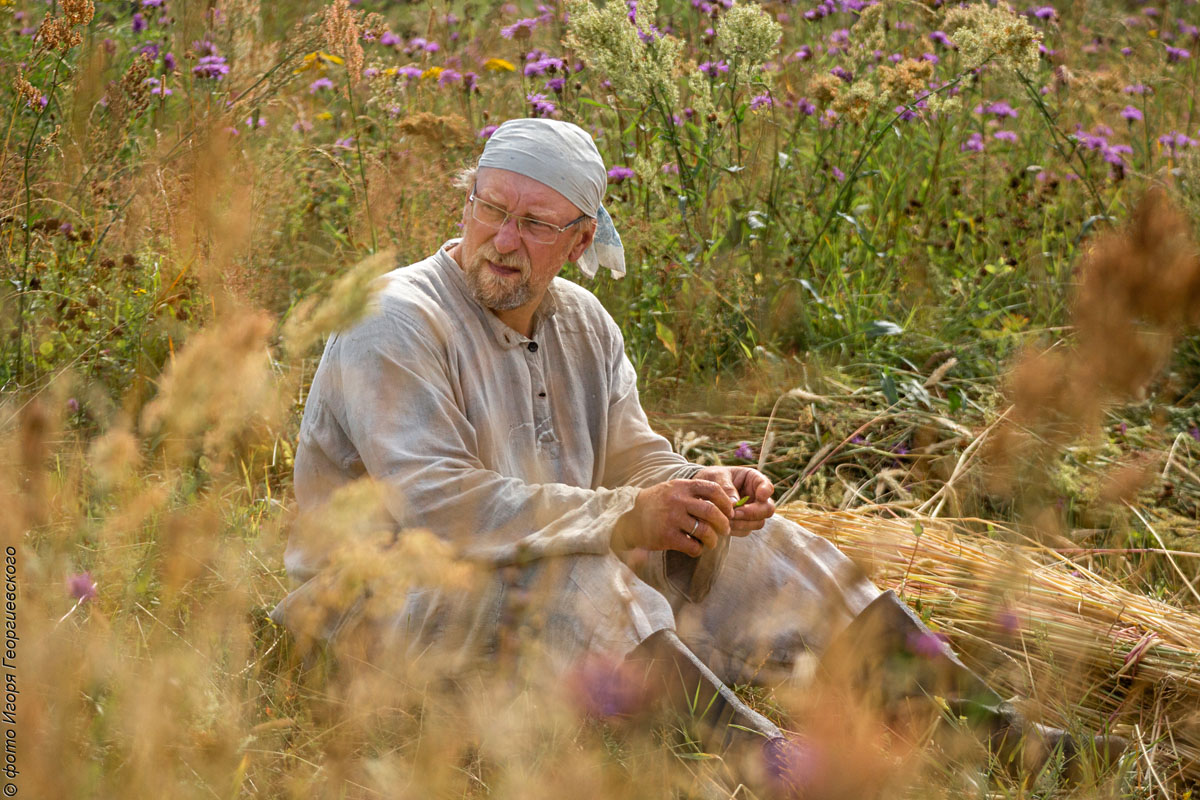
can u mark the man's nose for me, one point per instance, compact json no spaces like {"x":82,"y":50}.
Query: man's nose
{"x":508,"y":237}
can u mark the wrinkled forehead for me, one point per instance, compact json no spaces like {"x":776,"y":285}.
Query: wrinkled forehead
{"x":522,"y":194}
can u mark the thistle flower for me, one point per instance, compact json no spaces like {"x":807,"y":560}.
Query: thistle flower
{"x":81,"y":587}
{"x":999,"y":109}
{"x":619,"y":174}
{"x":521,"y":29}
{"x":542,"y":105}
{"x":713,"y":68}
{"x":763,"y":100}
{"x":973,"y":144}
{"x":1005,"y":136}
{"x":1131,"y":114}
{"x":744,"y":452}
{"x":320,"y":84}
{"x":486,"y":131}
{"x":211,"y":67}
{"x":1177,"y":54}
{"x":1137,"y":88}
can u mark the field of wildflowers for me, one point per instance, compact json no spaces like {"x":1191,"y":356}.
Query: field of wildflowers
{"x":903,"y":255}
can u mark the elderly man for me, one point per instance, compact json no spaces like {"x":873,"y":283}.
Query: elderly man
{"x":495,"y":403}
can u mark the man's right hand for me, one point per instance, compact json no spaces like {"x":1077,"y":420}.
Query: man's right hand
{"x":683,"y":515}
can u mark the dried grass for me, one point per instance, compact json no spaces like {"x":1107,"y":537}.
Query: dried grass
{"x":1092,"y":654}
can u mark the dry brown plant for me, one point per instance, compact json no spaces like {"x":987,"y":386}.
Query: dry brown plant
{"x":341,"y":28}
{"x":1139,"y":289}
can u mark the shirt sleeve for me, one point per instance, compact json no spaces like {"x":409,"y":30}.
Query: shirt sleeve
{"x":635,"y":455}
{"x":404,"y":420}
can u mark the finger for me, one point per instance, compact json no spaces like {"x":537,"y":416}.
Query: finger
{"x":704,"y":532}
{"x":746,"y":527}
{"x":678,"y":539}
{"x":715,"y":494}
{"x":708,"y":514}
{"x":755,"y":511}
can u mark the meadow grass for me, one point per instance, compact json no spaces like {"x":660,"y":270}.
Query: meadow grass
{"x":902,"y":257}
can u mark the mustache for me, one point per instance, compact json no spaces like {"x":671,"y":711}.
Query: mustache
{"x":488,"y":252}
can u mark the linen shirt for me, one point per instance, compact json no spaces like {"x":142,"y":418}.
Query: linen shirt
{"x":511,"y":447}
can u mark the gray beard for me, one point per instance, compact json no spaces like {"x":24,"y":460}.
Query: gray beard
{"x":492,"y":293}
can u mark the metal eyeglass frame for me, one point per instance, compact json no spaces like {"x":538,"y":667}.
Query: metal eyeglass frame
{"x":558,"y":229}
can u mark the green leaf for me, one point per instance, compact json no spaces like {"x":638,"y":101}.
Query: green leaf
{"x":666,"y":336}
{"x":888,"y":384}
{"x":883,"y":327}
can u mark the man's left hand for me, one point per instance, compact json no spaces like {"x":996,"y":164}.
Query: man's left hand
{"x":739,"y":482}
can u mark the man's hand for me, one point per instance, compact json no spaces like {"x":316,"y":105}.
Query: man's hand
{"x":683,"y":515}
{"x":739,"y":482}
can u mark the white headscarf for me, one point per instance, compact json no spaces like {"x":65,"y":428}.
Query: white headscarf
{"x":562,"y":156}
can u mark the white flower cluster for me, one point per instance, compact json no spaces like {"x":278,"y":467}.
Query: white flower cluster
{"x":637,"y":67}
{"x":747,"y":37}
{"x":994,"y":34}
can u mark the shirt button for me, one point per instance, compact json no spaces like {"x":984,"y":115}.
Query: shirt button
{"x":532,"y":347}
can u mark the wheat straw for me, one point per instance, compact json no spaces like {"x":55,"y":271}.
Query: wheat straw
{"x":1109,"y":657}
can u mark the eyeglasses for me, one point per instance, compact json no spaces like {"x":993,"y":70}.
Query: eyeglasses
{"x":535,"y":230}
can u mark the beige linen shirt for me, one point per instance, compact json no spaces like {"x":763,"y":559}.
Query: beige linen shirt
{"x":513,"y":448}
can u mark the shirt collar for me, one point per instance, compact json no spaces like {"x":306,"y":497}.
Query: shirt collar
{"x":505,"y":336}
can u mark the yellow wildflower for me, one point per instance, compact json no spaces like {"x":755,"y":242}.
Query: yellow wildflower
{"x":317,"y":60}
{"x":432,"y":72}
{"x":498,"y":65}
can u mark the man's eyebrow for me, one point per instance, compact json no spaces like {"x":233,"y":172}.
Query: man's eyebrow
{"x":541,"y":213}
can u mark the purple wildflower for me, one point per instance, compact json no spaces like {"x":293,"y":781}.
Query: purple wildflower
{"x":744,"y":452}
{"x":73,"y":405}
{"x":81,"y":587}
{"x":842,"y":73}
{"x":805,"y":107}
{"x":713,"y":68}
{"x":761,"y":101}
{"x":486,"y":131}
{"x":302,"y":126}
{"x":795,"y":766}
{"x":157,"y":88}
{"x":1177,"y":54}
{"x":389,"y":39}
{"x":169,"y":63}
{"x":927,"y":644}
{"x":149,"y":49}
{"x":1137,"y":88}
{"x":1005,"y":136}
{"x":152,"y":3}
{"x":999,"y":109}
{"x":1131,"y":114}
{"x":139,"y":22}
{"x":1043,"y":12}
{"x":542,"y":105}
{"x":905,"y":113}
{"x":974,"y":144}
{"x":542,"y":66}
{"x":839,"y":175}
{"x":345,"y":143}
{"x":211,"y":67}
{"x":556,"y":85}
{"x":1126,"y":51}
{"x":940,"y":37}
{"x":449,"y":76}
{"x":320,"y":84}
{"x":521,"y":29}
{"x":931,"y":58}
{"x":1194,"y":432}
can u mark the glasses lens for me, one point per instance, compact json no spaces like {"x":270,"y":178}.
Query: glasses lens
{"x":541,"y":232}
{"x":487,"y":213}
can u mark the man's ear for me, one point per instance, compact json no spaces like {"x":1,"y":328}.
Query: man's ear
{"x":587,"y":232}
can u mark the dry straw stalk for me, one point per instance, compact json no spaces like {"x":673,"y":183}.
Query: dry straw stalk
{"x":1097,"y":656}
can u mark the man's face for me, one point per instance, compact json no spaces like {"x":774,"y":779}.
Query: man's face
{"x":506,"y":270}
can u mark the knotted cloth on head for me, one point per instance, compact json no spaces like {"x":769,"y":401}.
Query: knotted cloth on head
{"x":562,"y":156}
